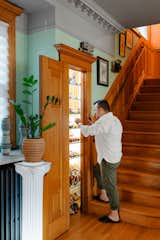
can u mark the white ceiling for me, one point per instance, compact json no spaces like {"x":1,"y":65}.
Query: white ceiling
{"x":30,"y":5}
{"x":129,"y":13}
{"x":132,"y":13}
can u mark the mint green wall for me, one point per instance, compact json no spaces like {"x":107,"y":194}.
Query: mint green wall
{"x":21,"y":61}
{"x":21,"y":66}
{"x":39,"y":43}
{"x":30,"y":47}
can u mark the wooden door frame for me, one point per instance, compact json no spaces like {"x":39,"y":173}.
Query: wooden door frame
{"x":77,"y":60}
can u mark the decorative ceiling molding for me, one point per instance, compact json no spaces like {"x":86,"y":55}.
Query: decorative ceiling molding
{"x":92,"y":10}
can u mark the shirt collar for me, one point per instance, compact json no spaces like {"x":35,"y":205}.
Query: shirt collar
{"x":109,"y":114}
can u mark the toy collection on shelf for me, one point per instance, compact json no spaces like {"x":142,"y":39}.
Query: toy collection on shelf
{"x":74,"y":140}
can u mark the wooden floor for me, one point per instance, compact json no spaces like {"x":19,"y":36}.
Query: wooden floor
{"x":86,"y":227}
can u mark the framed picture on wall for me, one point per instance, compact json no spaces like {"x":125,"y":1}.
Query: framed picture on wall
{"x":102,"y":71}
{"x":129,"y":39}
{"x":122,"y":43}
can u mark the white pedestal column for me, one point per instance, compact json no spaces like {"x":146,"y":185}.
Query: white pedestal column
{"x":32,"y":198}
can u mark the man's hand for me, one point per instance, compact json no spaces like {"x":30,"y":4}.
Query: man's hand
{"x":90,"y":120}
{"x":78,"y":121}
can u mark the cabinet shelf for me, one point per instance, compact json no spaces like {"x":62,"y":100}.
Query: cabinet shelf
{"x":74,"y":128}
{"x":74,"y":84}
{"x":74,"y":156}
{"x":74,"y":142}
{"x":74,"y":98}
{"x":74,"y":113}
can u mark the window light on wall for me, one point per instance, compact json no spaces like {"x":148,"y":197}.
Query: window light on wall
{"x":4,"y":72}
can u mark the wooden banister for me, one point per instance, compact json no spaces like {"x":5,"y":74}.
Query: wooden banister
{"x":142,"y":62}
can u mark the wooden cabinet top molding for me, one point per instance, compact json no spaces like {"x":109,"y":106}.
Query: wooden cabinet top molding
{"x":74,"y":53}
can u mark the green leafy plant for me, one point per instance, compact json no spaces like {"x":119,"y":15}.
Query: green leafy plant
{"x":32,"y":122}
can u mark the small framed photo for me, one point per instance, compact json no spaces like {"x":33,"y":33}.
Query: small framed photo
{"x":122,"y":42}
{"x":129,"y":39}
{"x":102,"y":71}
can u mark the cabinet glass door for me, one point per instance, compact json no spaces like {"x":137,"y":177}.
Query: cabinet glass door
{"x":75,"y":100}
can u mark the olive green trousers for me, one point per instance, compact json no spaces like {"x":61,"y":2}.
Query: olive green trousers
{"x":106,"y":175}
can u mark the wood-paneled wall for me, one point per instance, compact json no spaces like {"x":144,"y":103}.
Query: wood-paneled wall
{"x":154,"y":35}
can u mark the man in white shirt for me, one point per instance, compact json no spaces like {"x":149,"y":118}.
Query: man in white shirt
{"x":107,"y":131}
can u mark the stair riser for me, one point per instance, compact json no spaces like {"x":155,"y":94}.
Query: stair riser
{"x":93,"y":208}
{"x":143,"y":116}
{"x":140,"y":180}
{"x":146,"y":107}
{"x":141,"y":151}
{"x":150,"y":89}
{"x":151,"y":98}
{"x":139,"y":165}
{"x":141,"y":220}
{"x":139,"y":198}
{"x":144,"y":127}
{"x":141,"y":138}
{"x":127,"y":215}
{"x":151,"y":82}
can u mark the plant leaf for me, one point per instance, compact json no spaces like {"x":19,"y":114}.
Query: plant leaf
{"x":26,"y":101}
{"x":30,"y":79}
{"x":27,"y":85}
{"x":47,"y":98}
{"x":50,"y":125}
{"x":19,"y":112}
{"x":52,"y":99}
{"x":27,"y":92}
{"x":56,"y":100}
{"x":34,"y":82}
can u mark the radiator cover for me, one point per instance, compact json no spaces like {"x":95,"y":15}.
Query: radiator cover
{"x":10,"y":203}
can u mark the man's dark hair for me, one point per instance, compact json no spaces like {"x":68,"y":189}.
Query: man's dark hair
{"x":103,"y":104}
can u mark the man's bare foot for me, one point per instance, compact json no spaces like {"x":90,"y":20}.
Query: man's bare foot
{"x":103,"y":196}
{"x":114,"y":215}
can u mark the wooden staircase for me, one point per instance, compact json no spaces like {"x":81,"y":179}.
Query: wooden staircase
{"x":136,"y":102}
{"x":139,"y":173}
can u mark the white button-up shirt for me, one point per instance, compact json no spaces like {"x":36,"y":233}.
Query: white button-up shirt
{"x":108,"y":137}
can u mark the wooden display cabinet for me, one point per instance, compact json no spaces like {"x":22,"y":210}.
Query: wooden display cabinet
{"x":54,"y":77}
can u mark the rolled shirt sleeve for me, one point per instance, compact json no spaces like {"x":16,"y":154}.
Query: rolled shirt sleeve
{"x":100,"y":126}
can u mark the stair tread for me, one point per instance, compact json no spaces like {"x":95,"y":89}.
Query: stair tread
{"x":139,"y":172}
{"x":151,"y":78}
{"x":146,"y":102}
{"x":141,"y":145}
{"x":136,"y":208}
{"x":141,"y":210}
{"x":148,"y":93}
{"x":138,"y":189}
{"x":139,"y":158}
{"x":142,"y":121}
{"x":145,"y":112}
{"x":141,"y":132}
{"x":151,"y":85}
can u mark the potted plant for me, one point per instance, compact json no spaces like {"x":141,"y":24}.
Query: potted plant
{"x":33,"y":145}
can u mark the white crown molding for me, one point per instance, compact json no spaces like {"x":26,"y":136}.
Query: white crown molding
{"x":96,"y":14}
{"x":103,"y":14}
